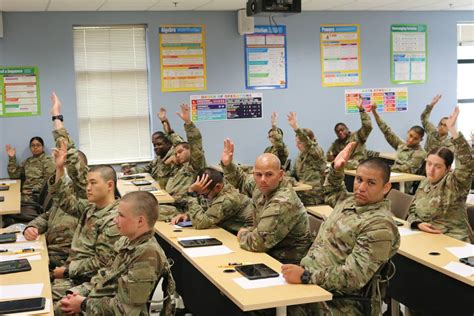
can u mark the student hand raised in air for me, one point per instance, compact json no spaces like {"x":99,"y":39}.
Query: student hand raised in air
{"x":228,"y":152}
{"x":343,"y":157}
{"x":185,"y":113}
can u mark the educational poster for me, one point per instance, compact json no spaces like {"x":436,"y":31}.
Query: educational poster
{"x":182,"y":58}
{"x":218,"y":107}
{"x":408,"y":53}
{"x":387,"y":99}
{"x":265,"y":58}
{"x":340,"y":54}
{"x":19,"y":91}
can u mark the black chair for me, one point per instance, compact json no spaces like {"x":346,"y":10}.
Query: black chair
{"x":314,"y":225}
{"x":168,"y":286}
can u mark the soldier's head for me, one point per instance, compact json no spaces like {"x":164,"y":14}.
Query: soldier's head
{"x":443,"y":127}
{"x":36,"y":145}
{"x":371,"y":182}
{"x":137,"y":214}
{"x":161,"y":144}
{"x":272,"y":134}
{"x":182,"y":152}
{"x":438,"y":163}
{"x":308,"y":133}
{"x":101,"y":183}
{"x":267,"y":173}
{"x":217,"y":182}
{"x":341,"y":130}
{"x":415,"y":135}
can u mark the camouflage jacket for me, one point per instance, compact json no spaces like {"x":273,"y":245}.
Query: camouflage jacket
{"x":281,"y":225}
{"x":126,"y":284}
{"x":229,"y":209}
{"x":360,"y":136}
{"x":352,"y":244}
{"x":34,"y":170}
{"x":408,"y":159}
{"x":279,"y":147}
{"x":433,"y":139}
{"x":443,"y":204}
{"x":309,"y":168}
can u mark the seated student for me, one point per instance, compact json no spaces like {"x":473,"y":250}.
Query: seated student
{"x":435,"y":137}
{"x":57,"y":224}
{"x":275,"y":136}
{"x":281,"y":225}
{"x":212,"y":202}
{"x":125,"y":285}
{"x":345,"y":136}
{"x":439,"y":205}
{"x":162,"y":166}
{"x":357,"y":239}
{"x":310,"y":165}
{"x":96,"y":233}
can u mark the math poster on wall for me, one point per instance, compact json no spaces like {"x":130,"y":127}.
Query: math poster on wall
{"x":340,"y":54}
{"x":408,"y":53}
{"x":183,"y":58}
{"x":387,"y":99}
{"x":265,"y":58}
{"x":19,"y":91}
{"x":231,"y":106}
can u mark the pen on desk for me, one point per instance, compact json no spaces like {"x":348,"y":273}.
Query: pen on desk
{"x":24,"y":250}
{"x":3,"y":250}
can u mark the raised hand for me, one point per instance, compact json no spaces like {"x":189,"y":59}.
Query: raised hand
{"x":162,"y":114}
{"x":292,"y":120}
{"x":343,"y":157}
{"x":435,"y":100}
{"x":451,"y":122}
{"x":200,"y":185}
{"x":373,"y":108}
{"x":360,"y":101}
{"x":11,"y":152}
{"x":185,"y":113}
{"x":55,"y":104}
{"x":60,"y":154}
{"x":228,"y":152}
{"x":274,"y":119}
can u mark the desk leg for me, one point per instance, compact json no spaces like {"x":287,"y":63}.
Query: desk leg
{"x":281,"y":311}
{"x":395,"y":307}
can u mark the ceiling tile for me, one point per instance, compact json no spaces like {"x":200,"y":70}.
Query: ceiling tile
{"x":24,"y":5}
{"x":127,"y":5}
{"x":223,"y":5}
{"x":178,"y":5}
{"x":75,"y":5}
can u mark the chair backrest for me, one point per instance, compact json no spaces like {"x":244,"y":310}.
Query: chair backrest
{"x":470,"y":215}
{"x":400,"y":203}
{"x":287,"y":165}
{"x":314,"y":224}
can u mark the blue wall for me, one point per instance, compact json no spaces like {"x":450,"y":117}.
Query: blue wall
{"x":45,"y":40}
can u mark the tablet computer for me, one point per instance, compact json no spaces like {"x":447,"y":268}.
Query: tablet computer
{"x":141,"y":182}
{"x":257,"y":271}
{"x":7,"y":237}
{"x":185,"y":224}
{"x":203,"y":242}
{"x":4,"y":188}
{"x":2,"y":198}
{"x":13,"y":266}
{"x":23,"y":305}
{"x":132,"y":177}
{"x":468,"y":260}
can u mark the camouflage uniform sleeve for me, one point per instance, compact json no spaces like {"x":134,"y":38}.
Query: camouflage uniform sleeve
{"x":279,"y":145}
{"x":48,"y":166}
{"x":197,"y":159}
{"x":40,"y":222}
{"x":214,"y":214}
{"x":15,"y":171}
{"x":364,"y":131}
{"x":334,"y":188}
{"x":464,"y":163}
{"x":143,"y":169}
{"x":330,"y":151}
{"x":425,"y":120}
{"x":311,"y":147}
{"x":64,"y":196}
{"x":413,"y":165}
{"x":373,"y":247}
{"x":174,"y":138}
{"x":239,"y":179}
{"x":391,"y":138}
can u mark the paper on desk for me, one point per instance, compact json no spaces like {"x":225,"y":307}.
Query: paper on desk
{"x":207,"y":251}
{"x":7,"y":182}
{"x":47,"y":309}
{"x":470,"y":199}
{"x":460,"y":268}
{"x":8,"y":292}
{"x":407,"y":231}
{"x":462,"y":252}
{"x":29,"y":256}
{"x":255,"y":284}
{"x":21,"y":238}
{"x":193,"y":237}
{"x":22,"y":245}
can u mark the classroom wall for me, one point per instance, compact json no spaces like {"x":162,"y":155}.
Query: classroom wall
{"x":45,"y":40}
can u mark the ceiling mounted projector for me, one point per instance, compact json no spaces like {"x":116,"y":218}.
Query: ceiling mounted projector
{"x":273,"y":7}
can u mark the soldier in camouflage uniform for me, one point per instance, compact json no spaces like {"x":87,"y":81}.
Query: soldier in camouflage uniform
{"x":281,"y":225}
{"x":357,"y":239}
{"x":344,"y":137}
{"x":278,"y":147}
{"x":310,"y":165}
{"x":212,"y":202}
{"x":435,"y":137}
{"x":439,"y":205}
{"x":126,"y":284}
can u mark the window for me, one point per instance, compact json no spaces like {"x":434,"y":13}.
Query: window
{"x":465,"y":92}
{"x":112,"y":93}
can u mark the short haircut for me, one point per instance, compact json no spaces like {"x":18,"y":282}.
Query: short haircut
{"x":184,"y":144}
{"x":339,"y":124}
{"x":279,"y":130}
{"x":143,"y":204}
{"x":308,"y":133}
{"x":82,"y":157}
{"x":380,"y":164}
{"x":162,"y":136}
{"x":106,"y":172}
{"x":443,"y":153}
{"x":213,"y":174}
{"x":418,"y":129}
{"x":443,"y":118}
{"x":38,"y":139}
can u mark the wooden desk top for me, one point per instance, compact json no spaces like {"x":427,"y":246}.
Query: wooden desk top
{"x":388,"y":155}
{"x":39,"y":274}
{"x":125,"y":186}
{"x":322,"y":211}
{"x":394,"y":176}
{"x":247,"y":300}
{"x":11,"y":204}
{"x":300,"y":186}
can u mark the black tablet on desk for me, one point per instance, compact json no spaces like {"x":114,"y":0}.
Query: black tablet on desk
{"x":133,"y":177}
{"x":203,"y":242}
{"x":2,"y":198}
{"x":13,"y":266}
{"x":23,"y":305}
{"x":4,"y":187}
{"x":7,"y":237}
{"x":141,"y":182}
{"x":257,"y":271}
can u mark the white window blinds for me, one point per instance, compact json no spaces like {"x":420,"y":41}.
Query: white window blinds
{"x":112,"y":93}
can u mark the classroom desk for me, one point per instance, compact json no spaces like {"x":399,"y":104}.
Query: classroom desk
{"x":388,"y":155}
{"x":197,"y":278}
{"x":300,"y":186}
{"x":395,"y":177}
{"x":321,"y":211}
{"x":39,"y":274}
{"x":12,"y":202}
{"x":125,"y":186}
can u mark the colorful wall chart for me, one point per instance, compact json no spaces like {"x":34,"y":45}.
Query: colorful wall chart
{"x":265,"y":58}
{"x":408,"y":53}
{"x":340,"y":54}
{"x":218,"y":107}
{"x":19,"y":91}
{"x":387,"y":99}
{"x":183,"y":58}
